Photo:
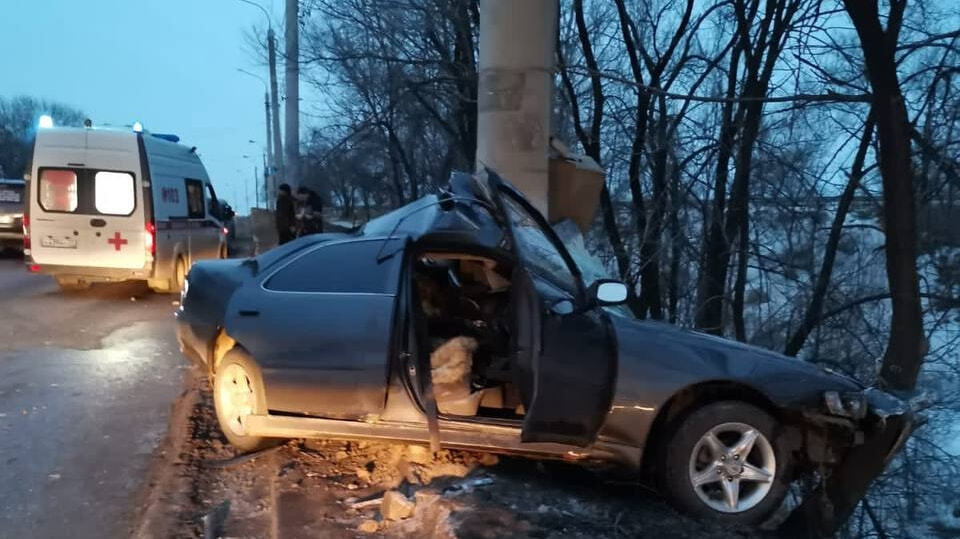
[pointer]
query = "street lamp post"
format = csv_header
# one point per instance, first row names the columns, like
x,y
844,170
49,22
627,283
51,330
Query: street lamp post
x,y
275,100
271,158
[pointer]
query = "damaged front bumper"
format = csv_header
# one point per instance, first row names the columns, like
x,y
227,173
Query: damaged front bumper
x,y
856,418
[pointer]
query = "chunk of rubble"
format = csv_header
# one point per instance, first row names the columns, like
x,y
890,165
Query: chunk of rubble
x,y
396,506
368,526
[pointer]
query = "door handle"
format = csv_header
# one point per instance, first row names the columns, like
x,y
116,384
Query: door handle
x,y
248,312
99,223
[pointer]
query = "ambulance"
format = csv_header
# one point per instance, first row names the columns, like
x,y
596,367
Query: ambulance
x,y
118,205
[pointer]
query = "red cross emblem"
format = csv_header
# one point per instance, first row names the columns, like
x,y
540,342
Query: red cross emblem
x,y
117,241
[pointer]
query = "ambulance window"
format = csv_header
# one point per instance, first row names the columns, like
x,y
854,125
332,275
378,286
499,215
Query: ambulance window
x,y
195,199
114,193
58,190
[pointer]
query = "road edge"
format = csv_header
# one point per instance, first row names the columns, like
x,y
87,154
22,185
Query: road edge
x,y
165,487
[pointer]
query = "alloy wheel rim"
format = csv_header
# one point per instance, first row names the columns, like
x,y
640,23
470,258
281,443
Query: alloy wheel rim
x,y
236,398
732,467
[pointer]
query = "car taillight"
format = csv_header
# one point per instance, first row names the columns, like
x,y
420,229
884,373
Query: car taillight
x,y
34,268
149,239
26,235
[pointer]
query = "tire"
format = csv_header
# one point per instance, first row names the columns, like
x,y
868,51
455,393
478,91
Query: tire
x,y
179,275
738,493
237,392
72,284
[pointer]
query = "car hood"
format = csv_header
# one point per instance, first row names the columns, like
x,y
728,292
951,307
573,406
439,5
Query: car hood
x,y
690,357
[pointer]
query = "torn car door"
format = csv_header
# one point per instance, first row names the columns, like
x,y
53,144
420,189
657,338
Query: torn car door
x,y
567,367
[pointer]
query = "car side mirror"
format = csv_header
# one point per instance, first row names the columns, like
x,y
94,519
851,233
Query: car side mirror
x,y
608,292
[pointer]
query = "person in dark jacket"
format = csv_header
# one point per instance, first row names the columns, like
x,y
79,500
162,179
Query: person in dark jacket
x,y
309,212
285,214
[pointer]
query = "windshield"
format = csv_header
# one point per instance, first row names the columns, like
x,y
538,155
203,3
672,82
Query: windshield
x,y
539,254
591,267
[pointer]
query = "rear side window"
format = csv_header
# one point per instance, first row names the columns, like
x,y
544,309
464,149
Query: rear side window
x,y
58,190
87,191
113,193
350,268
195,199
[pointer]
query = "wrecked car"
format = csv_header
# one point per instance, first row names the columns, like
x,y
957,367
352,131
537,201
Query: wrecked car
x,y
461,320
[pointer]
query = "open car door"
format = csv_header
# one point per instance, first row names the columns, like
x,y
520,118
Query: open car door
x,y
564,349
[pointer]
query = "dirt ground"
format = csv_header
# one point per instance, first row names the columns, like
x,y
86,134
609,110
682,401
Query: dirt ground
x,y
200,487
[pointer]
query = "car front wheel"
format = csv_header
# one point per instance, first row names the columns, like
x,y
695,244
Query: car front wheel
x,y
723,462
237,395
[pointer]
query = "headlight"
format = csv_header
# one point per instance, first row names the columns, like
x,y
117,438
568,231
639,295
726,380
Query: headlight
x,y
852,405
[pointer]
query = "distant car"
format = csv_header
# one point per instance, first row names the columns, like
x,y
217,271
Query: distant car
x,y
12,199
461,320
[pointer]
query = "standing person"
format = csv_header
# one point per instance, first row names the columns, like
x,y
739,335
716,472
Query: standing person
x,y
285,214
309,212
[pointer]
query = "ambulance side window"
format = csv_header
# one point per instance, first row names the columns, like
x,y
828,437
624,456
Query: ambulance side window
x,y
195,208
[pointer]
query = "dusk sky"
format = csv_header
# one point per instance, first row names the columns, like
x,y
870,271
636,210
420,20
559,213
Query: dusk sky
x,y
171,64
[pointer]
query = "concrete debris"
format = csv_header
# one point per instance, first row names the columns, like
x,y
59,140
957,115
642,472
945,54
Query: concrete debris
x,y
425,498
368,526
418,454
375,502
396,506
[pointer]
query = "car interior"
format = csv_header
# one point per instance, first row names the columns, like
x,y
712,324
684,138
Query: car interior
x,y
464,306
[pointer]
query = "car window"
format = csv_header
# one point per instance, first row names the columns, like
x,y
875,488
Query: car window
x,y
58,190
87,191
11,195
195,199
339,268
537,252
114,193
213,205
591,267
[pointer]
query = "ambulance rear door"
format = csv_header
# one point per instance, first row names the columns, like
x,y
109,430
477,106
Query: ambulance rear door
x,y
86,200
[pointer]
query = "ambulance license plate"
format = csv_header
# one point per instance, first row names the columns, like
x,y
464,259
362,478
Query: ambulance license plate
x,y
59,242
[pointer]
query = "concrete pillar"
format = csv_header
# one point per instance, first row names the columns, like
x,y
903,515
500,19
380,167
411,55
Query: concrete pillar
x,y
517,39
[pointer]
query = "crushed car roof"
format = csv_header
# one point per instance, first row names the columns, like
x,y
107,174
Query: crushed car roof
x,y
457,215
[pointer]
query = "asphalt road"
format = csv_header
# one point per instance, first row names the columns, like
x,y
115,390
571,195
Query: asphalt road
x,y
86,384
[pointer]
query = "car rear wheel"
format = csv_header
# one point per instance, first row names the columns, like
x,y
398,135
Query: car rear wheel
x,y
723,462
238,394
179,276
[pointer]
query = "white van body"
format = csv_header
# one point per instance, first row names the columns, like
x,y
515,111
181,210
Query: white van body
x,y
111,205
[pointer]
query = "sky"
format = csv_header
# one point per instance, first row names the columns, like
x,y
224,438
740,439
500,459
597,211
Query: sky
x,y
170,64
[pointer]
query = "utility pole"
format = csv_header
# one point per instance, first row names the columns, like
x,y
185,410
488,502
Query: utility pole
x,y
278,169
270,158
276,156
292,84
517,39
266,181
